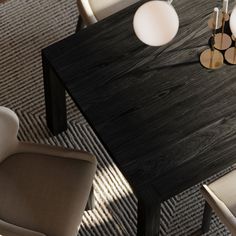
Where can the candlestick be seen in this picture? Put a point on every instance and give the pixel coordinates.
(216, 17)
(212, 58)
(225, 6)
(222, 40)
(213, 22)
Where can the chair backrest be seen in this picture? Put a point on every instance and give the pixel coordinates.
(9, 125)
(86, 12)
(95, 10)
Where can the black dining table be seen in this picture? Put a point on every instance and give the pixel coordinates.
(167, 122)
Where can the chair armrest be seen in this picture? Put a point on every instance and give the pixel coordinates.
(50, 150)
(219, 207)
(49, 187)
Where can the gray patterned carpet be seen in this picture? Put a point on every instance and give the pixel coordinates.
(27, 26)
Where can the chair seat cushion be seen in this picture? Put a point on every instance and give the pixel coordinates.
(104, 8)
(7, 229)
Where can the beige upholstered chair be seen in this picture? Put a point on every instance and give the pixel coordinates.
(43, 189)
(92, 11)
(221, 197)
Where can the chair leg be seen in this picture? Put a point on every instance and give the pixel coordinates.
(91, 201)
(80, 24)
(206, 218)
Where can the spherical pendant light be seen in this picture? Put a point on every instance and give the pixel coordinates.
(232, 22)
(156, 23)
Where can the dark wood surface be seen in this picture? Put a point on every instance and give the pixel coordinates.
(55, 98)
(167, 122)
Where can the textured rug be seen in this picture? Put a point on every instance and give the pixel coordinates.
(27, 26)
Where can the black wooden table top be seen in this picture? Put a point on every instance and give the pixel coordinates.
(167, 122)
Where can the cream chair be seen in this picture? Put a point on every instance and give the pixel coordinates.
(43, 189)
(92, 11)
(221, 197)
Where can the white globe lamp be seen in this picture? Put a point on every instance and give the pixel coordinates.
(230, 54)
(232, 22)
(156, 23)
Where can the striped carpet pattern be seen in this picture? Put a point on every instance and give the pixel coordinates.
(27, 26)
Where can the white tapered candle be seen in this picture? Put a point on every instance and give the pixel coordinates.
(225, 6)
(216, 17)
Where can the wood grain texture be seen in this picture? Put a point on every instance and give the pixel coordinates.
(167, 122)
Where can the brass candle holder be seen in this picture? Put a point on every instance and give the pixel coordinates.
(230, 54)
(223, 40)
(212, 58)
(220, 40)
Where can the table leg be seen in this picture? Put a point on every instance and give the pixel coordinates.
(80, 24)
(149, 217)
(206, 221)
(91, 201)
(55, 100)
